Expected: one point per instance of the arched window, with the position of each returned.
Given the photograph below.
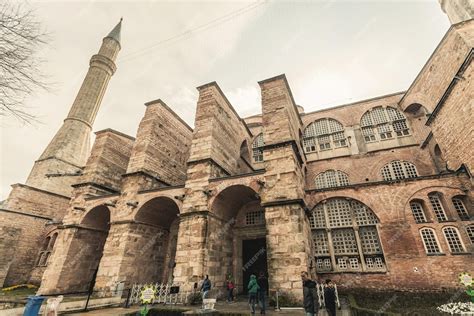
(397, 170)
(331, 178)
(452, 239)
(470, 233)
(324, 134)
(257, 151)
(430, 241)
(339, 246)
(418, 212)
(381, 123)
(460, 208)
(437, 207)
(52, 241)
(46, 248)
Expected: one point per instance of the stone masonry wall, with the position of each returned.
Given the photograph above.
(20, 238)
(109, 159)
(162, 145)
(219, 132)
(282, 196)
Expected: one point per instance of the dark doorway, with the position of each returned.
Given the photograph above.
(254, 259)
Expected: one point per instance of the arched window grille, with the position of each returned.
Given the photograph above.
(460, 208)
(324, 134)
(257, 148)
(437, 207)
(381, 123)
(345, 237)
(430, 241)
(331, 178)
(470, 233)
(397, 170)
(418, 212)
(453, 240)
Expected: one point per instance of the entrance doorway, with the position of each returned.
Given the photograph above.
(254, 259)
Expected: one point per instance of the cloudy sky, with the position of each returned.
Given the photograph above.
(332, 52)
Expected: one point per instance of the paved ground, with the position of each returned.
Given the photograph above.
(240, 306)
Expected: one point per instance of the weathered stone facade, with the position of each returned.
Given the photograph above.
(373, 194)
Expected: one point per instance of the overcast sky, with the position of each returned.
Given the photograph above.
(332, 52)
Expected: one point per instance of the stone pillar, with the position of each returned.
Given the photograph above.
(288, 238)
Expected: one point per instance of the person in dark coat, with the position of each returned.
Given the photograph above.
(205, 287)
(310, 295)
(262, 292)
(330, 297)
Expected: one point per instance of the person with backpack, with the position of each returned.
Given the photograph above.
(253, 289)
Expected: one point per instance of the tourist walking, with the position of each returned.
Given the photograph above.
(310, 295)
(330, 297)
(230, 289)
(262, 292)
(206, 286)
(253, 289)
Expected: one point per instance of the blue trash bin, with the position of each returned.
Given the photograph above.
(33, 305)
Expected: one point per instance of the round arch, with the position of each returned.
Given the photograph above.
(97, 218)
(159, 211)
(155, 228)
(229, 201)
(238, 231)
(345, 237)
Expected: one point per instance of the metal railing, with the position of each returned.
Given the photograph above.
(163, 294)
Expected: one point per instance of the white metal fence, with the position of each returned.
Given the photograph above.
(162, 294)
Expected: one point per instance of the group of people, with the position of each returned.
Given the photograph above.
(311, 298)
(258, 289)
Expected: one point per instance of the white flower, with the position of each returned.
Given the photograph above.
(458, 308)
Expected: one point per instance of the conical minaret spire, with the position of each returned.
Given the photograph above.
(67, 152)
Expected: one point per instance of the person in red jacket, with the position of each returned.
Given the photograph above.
(230, 289)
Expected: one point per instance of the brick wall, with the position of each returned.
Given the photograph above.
(433, 80)
(453, 127)
(408, 265)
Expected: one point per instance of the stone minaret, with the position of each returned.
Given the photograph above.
(67, 152)
(458, 10)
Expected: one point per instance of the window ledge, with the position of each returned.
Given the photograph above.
(461, 253)
(403, 136)
(354, 271)
(435, 254)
